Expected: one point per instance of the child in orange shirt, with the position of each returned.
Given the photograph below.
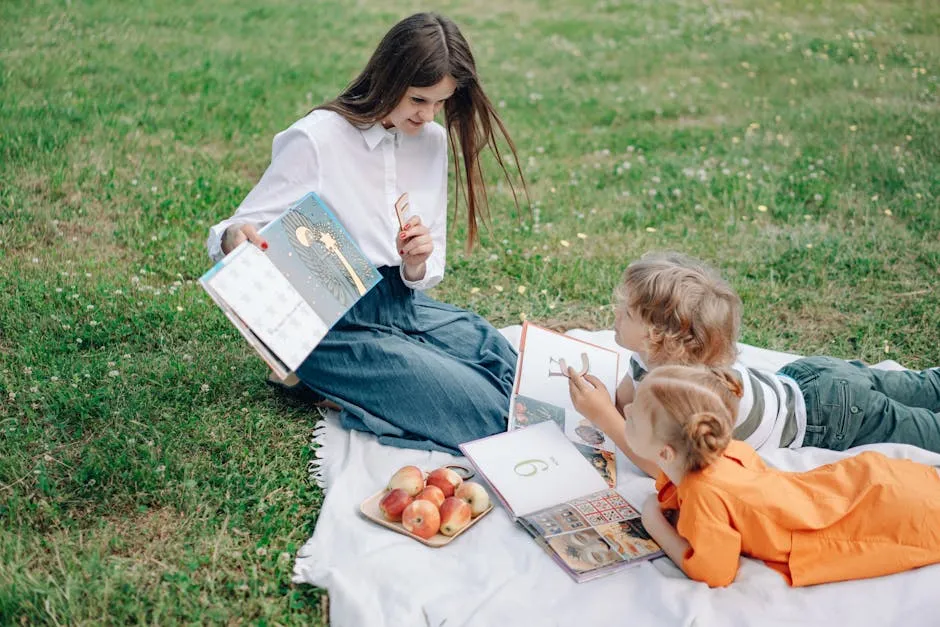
(863, 516)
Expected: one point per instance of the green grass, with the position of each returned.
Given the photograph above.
(148, 475)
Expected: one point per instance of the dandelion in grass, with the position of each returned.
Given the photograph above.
(583, 235)
(650, 229)
(762, 208)
(474, 290)
(853, 127)
(565, 243)
(498, 288)
(521, 289)
(523, 316)
(114, 373)
(888, 212)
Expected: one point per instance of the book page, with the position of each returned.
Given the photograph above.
(286, 299)
(259, 294)
(541, 376)
(593, 535)
(533, 468)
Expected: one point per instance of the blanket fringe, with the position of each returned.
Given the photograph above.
(316, 467)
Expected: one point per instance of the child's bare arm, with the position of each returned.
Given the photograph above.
(625, 392)
(592, 400)
(666, 536)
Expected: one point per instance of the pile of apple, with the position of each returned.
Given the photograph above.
(443, 502)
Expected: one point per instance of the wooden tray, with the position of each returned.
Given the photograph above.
(370, 509)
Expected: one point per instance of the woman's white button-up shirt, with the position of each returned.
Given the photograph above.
(359, 174)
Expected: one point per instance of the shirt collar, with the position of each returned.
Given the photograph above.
(376, 133)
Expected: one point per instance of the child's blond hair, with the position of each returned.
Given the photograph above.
(692, 409)
(693, 315)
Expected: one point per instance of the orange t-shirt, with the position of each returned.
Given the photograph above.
(863, 516)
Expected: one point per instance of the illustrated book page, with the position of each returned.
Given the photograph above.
(286, 298)
(592, 535)
(541, 393)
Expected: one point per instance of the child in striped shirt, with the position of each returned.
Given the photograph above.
(673, 309)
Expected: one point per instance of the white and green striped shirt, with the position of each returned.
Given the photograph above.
(772, 413)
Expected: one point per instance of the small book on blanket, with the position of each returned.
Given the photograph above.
(540, 392)
(555, 494)
(285, 298)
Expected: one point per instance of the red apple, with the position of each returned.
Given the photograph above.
(475, 495)
(422, 518)
(394, 503)
(408, 478)
(455, 514)
(431, 493)
(446, 479)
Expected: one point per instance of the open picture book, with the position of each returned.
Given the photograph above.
(540, 392)
(284, 299)
(555, 494)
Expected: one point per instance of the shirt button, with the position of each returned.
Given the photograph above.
(854, 409)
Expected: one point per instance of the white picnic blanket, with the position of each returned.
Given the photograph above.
(495, 574)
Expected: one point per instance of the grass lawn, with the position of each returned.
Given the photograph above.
(147, 474)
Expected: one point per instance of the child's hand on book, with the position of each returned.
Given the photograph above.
(592, 400)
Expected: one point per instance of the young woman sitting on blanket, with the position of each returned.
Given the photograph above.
(416, 372)
(864, 516)
(673, 309)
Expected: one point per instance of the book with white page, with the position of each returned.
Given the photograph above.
(556, 495)
(285, 299)
(540, 392)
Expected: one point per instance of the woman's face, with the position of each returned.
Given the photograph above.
(419, 106)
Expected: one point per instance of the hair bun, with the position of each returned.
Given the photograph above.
(708, 434)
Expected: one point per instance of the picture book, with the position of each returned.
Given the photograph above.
(556, 495)
(540, 392)
(285, 298)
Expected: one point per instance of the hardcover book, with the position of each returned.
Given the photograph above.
(556, 495)
(540, 392)
(285, 299)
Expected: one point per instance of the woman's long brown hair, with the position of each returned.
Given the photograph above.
(420, 51)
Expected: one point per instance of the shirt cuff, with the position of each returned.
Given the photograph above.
(433, 274)
(214, 243)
